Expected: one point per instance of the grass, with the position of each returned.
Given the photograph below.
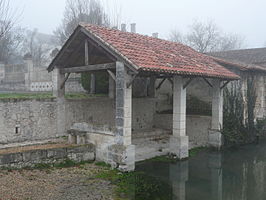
(195, 151)
(47, 95)
(136, 185)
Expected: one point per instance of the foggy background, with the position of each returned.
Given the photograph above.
(243, 17)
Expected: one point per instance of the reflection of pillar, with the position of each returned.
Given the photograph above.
(215, 136)
(178, 176)
(215, 165)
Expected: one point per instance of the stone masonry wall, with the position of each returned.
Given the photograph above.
(36, 119)
(197, 127)
(50, 156)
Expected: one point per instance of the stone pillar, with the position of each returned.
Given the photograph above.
(59, 93)
(179, 140)
(111, 88)
(215, 136)
(151, 88)
(123, 152)
(93, 84)
(58, 79)
(179, 176)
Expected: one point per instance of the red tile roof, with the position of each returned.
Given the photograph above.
(157, 55)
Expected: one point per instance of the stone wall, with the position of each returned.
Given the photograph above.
(50, 156)
(36, 119)
(197, 127)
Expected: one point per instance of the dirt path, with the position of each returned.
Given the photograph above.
(76, 183)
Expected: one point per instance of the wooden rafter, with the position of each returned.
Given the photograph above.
(87, 68)
(160, 84)
(224, 85)
(131, 81)
(187, 83)
(64, 81)
(112, 74)
(207, 82)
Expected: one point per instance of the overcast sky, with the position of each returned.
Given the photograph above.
(244, 17)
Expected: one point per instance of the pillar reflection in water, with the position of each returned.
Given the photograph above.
(178, 175)
(215, 166)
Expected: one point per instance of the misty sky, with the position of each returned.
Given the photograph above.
(244, 17)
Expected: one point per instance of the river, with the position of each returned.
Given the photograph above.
(236, 174)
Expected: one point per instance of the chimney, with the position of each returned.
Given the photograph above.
(155, 35)
(124, 27)
(133, 27)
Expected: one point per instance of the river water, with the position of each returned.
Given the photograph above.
(238, 174)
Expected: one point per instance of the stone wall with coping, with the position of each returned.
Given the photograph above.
(197, 127)
(50, 156)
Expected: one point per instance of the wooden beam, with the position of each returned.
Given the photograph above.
(111, 74)
(131, 81)
(187, 83)
(86, 52)
(207, 82)
(64, 81)
(160, 84)
(225, 84)
(170, 80)
(88, 68)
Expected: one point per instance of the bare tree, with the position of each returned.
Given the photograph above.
(177, 36)
(38, 48)
(8, 17)
(76, 11)
(208, 37)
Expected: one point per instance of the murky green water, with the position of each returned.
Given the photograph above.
(232, 175)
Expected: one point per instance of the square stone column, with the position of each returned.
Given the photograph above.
(59, 93)
(215, 136)
(179, 140)
(58, 79)
(122, 153)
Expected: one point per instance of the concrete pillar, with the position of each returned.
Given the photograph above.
(123, 152)
(215, 136)
(151, 88)
(179, 140)
(111, 88)
(93, 84)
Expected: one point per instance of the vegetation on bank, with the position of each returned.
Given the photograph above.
(239, 123)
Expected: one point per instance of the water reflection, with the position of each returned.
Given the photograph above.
(232, 175)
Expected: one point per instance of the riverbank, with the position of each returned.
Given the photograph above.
(56, 183)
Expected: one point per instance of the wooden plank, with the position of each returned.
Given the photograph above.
(86, 52)
(225, 84)
(160, 84)
(207, 82)
(112, 75)
(187, 83)
(131, 81)
(63, 84)
(89, 68)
